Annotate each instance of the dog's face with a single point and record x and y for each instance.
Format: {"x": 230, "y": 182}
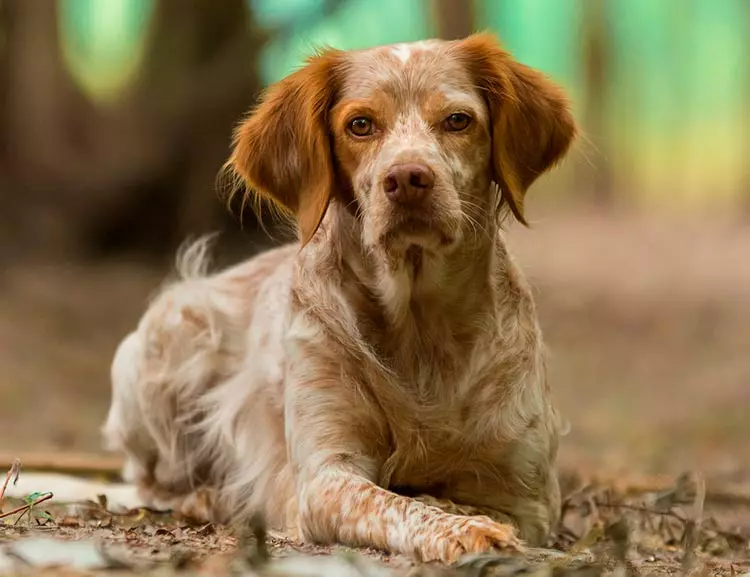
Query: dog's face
{"x": 410, "y": 136}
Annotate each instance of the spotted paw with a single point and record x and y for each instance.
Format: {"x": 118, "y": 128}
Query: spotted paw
{"x": 478, "y": 534}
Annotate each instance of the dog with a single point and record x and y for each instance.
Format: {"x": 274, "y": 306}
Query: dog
{"x": 380, "y": 383}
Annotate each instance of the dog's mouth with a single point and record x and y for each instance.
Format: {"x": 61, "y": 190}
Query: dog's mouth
{"x": 410, "y": 231}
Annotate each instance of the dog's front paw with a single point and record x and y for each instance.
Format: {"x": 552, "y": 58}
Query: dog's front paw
{"x": 457, "y": 535}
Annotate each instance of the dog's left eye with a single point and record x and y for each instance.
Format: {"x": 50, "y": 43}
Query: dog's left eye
{"x": 457, "y": 122}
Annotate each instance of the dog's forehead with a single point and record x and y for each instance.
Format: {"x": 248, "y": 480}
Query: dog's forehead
{"x": 413, "y": 68}
{"x": 404, "y": 51}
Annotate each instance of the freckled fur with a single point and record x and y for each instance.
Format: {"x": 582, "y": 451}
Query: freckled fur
{"x": 381, "y": 383}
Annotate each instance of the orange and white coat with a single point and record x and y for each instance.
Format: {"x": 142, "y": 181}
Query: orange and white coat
{"x": 381, "y": 383}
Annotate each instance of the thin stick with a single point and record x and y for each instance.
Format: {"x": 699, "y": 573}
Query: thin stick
{"x": 24, "y": 508}
{"x": 726, "y": 494}
{"x": 15, "y": 469}
{"x": 68, "y": 463}
{"x": 692, "y": 526}
{"x": 667, "y": 513}
{"x": 642, "y": 509}
{"x": 18, "y": 519}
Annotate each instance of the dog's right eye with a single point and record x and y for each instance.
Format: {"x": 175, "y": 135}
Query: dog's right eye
{"x": 361, "y": 126}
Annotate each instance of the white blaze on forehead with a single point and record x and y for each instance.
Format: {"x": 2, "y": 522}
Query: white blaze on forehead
{"x": 404, "y": 51}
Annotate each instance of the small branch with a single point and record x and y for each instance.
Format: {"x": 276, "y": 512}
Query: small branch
{"x": 642, "y": 509}
{"x": 693, "y": 525}
{"x": 68, "y": 463}
{"x": 665, "y": 513}
{"x": 716, "y": 492}
{"x": 23, "y": 508}
{"x": 18, "y": 519}
{"x": 13, "y": 472}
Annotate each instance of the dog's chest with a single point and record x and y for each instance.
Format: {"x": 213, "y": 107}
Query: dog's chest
{"x": 440, "y": 422}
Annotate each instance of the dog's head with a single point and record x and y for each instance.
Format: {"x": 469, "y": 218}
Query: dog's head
{"x": 411, "y": 137}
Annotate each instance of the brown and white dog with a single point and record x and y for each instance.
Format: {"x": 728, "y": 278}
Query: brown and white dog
{"x": 381, "y": 383}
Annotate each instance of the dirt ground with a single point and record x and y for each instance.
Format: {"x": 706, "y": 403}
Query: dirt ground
{"x": 647, "y": 321}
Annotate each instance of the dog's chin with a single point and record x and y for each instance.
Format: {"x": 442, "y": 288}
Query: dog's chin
{"x": 405, "y": 235}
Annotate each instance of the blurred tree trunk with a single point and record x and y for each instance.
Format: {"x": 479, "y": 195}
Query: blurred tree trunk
{"x": 199, "y": 78}
{"x": 745, "y": 183}
{"x": 37, "y": 139}
{"x": 4, "y": 87}
{"x": 596, "y": 55}
{"x": 454, "y": 18}
{"x": 6, "y": 217}
{"x": 139, "y": 174}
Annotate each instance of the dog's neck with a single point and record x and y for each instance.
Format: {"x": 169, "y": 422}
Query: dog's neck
{"x": 419, "y": 283}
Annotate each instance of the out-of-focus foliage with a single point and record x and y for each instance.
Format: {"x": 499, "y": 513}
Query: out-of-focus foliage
{"x": 103, "y": 43}
{"x": 662, "y": 88}
{"x": 117, "y": 114}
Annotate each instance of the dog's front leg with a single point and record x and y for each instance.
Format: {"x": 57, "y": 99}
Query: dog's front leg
{"x": 338, "y": 503}
{"x": 337, "y": 437}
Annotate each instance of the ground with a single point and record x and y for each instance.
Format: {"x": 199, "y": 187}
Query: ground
{"x": 647, "y": 321}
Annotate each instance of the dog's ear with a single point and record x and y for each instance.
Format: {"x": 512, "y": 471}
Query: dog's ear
{"x": 282, "y": 150}
{"x": 532, "y": 126}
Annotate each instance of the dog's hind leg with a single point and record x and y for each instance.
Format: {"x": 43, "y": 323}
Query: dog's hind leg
{"x": 185, "y": 344}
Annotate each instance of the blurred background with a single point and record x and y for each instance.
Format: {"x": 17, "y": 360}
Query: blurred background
{"x": 115, "y": 116}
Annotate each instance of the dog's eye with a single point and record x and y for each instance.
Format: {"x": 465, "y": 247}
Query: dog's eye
{"x": 361, "y": 126}
{"x": 457, "y": 122}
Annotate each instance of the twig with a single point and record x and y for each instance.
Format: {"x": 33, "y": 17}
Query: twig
{"x": 68, "y": 463}
{"x": 669, "y": 513}
{"x": 24, "y": 508}
{"x": 252, "y": 541}
{"x": 13, "y": 472}
{"x": 21, "y": 516}
{"x": 726, "y": 494}
{"x": 692, "y": 526}
{"x": 642, "y": 509}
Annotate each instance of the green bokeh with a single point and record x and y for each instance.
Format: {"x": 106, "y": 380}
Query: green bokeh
{"x": 102, "y": 41}
{"x": 677, "y": 76}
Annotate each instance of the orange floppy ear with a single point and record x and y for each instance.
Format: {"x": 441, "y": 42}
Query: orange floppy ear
{"x": 283, "y": 151}
{"x": 532, "y": 126}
